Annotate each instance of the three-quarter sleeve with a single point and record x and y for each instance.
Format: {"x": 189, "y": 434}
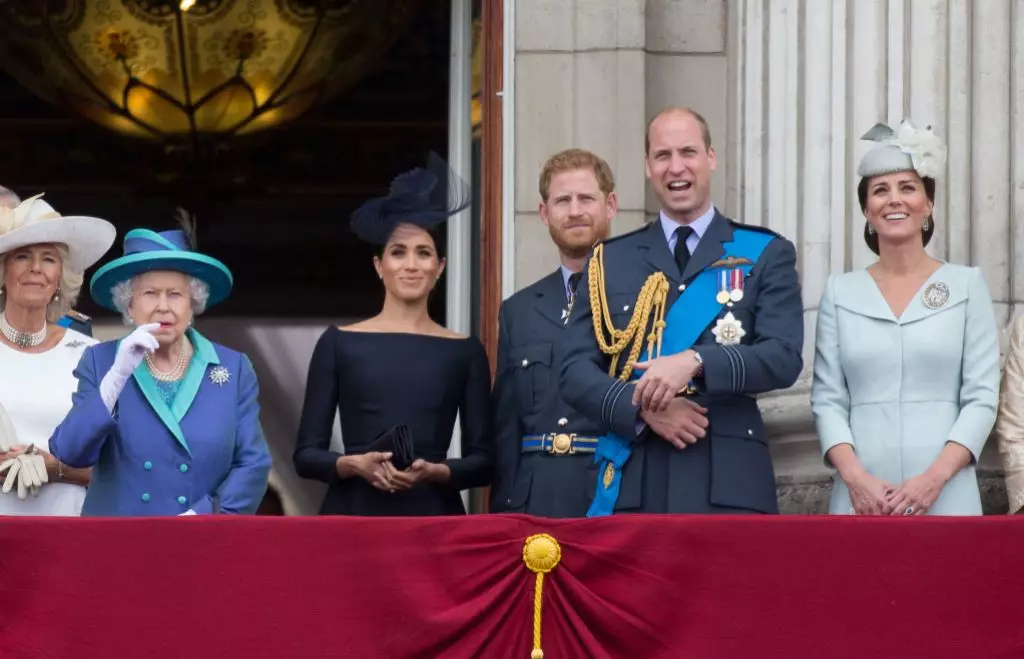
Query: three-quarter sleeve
{"x": 313, "y": 457}
{"x": 830, "y": 397}
{"x": 474, "y": 468}
{"x": 979, "y": 387}
{"x": 1010, "y": 419}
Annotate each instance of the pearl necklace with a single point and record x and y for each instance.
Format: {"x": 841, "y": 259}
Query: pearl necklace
{"x": 180, "y": 364}
{"x": 19, "y": 338}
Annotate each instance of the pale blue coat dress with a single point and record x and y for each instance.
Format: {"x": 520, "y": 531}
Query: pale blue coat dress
{"x": 897, "y": 389}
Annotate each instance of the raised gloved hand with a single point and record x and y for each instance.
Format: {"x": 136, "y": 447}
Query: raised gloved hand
{"x": 130, "y": 353}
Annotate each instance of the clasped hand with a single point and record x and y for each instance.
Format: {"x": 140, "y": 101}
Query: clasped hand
{"x": 871, "y": 495}
{"x": 377, "y": 470}
{"x": 663, "y": 379}
{"x": 682, "y": 423}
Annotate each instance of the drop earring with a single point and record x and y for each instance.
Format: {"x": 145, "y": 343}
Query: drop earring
{"x": 926, "y": 224}
{"x": 871, "y": 230}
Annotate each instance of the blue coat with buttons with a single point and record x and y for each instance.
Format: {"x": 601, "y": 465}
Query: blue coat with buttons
{"x": 205, "y": 452}
{"x": 527, "y": 402}
{"x": 730, "y": 470}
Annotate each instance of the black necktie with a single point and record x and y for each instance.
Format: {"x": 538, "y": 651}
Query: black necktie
{"x": 682, "y": 252}
{"x": 574, "y": 281}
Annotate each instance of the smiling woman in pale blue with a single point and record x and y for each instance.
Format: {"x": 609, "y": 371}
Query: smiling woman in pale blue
{"x": 906, "y": 372}
{"x": 168, "y": 420}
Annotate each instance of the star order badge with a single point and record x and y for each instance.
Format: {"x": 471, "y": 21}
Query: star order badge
{"x": 728, "y": 331}
{"x": 220, "y": 375}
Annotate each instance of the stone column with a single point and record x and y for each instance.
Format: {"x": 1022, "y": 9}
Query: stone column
{"x": 687, "y": 65}
{"x": 589, "y": 74}
{"x": 579, "y": 75}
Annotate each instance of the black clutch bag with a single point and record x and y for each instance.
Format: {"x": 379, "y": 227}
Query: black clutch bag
{"x": 398, "y": 442}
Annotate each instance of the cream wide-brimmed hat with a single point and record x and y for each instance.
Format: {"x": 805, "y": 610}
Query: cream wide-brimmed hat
{"x": 35, "y": 222}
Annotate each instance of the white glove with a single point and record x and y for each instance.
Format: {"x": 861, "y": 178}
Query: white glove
{"x": 130, "y": 353}
{"x": 28, "y": 470}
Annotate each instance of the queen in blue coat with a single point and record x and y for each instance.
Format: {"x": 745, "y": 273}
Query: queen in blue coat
{"x": 168, "y": 420}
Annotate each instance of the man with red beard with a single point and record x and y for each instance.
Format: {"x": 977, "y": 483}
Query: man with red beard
{"x": 545, "y": 449}
{"x": 694, "y": 312}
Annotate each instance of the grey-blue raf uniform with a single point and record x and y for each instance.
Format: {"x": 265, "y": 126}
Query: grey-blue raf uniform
{"x": 545, "y": 448}
{"x": 730, "y": 469}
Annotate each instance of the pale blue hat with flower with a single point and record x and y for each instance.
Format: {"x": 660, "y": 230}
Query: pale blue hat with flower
{"x": 903, "y": 150}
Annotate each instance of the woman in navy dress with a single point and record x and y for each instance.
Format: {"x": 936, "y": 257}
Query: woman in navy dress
{"x": 399, "y": 368}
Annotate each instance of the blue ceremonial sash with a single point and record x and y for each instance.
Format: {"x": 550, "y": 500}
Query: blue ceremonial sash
{"x": 689, "y": 316}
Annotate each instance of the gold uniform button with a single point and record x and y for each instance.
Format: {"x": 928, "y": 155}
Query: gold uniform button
{"x": 563, "y": 422}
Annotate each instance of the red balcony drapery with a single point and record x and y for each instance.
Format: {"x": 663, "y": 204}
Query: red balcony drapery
{"x": 625, "y": 587}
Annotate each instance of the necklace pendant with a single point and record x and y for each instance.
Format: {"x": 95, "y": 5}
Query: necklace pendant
{"x": 19, "y": 338}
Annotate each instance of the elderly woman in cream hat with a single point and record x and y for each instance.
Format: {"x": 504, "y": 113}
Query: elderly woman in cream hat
{"x": 906, "y": 373}
{"x": 43, "y": 257}
{"x": 169, "y": 419}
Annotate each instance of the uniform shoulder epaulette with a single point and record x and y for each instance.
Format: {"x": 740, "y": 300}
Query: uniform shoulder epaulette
{"x": 77, "y": 315}
{"x": 753, "y": 227}
{"x": 627, "y": 234}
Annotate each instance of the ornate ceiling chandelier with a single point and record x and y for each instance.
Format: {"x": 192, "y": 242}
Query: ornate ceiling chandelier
{"x": 179, "y": 71}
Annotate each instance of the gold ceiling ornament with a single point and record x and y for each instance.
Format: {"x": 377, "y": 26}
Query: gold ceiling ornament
{"x": 177, "y": 69}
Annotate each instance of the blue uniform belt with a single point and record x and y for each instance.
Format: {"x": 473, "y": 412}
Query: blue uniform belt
{"x": 559, "y": 444}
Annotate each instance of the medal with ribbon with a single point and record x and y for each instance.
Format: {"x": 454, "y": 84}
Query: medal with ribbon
{"x": 723, "y": 287}
{"x": 736, "y": 285}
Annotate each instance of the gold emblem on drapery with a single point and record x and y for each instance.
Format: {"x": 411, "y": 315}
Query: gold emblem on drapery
{"x": 541, "y": 554}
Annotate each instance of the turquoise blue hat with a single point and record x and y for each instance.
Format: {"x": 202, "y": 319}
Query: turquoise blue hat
{"x": 145, "y": 251}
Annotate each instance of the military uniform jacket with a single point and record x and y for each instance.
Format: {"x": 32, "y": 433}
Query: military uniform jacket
{"x": 730, "y": 469}
{"x": 527, "y": 402}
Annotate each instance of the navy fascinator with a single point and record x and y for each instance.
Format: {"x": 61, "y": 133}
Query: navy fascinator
{"x": 425, "y": 197}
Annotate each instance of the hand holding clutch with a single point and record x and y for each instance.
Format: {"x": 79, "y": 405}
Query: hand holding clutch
{"x": 398, "y": 442}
